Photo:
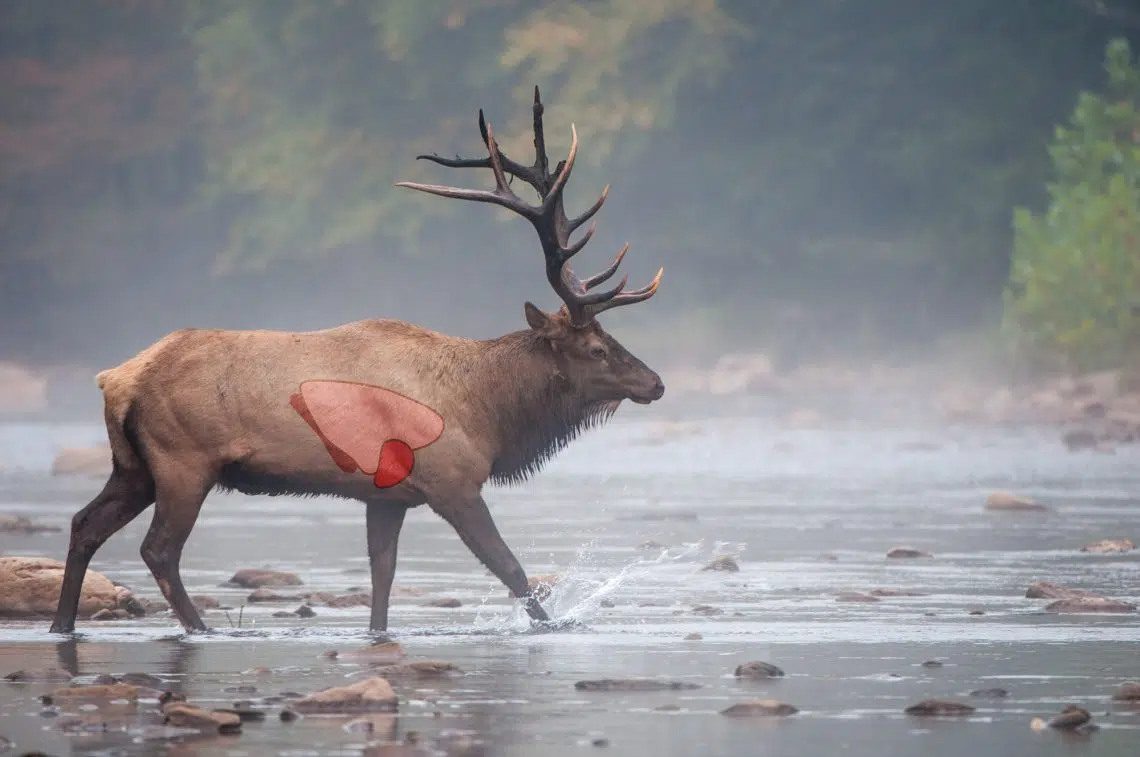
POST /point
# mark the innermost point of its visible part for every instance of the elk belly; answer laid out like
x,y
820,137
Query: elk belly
x,y
396,462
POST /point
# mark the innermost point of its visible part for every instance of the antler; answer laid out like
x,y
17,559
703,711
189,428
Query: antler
x,y
548,218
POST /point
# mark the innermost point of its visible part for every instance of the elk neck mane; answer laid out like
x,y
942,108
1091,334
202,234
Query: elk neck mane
x,y
528,407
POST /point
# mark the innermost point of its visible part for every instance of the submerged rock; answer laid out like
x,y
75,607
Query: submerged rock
x,y
376,654
760,708
256,578
896,593
1071,717
126,691
83,461
205,602
444,602
183,715
757,669
855,596
1109,546
48,675
370,695
1012,503
30,586
357,599
267,595
991,693
1049,590
1089,604
707,610
18,524
418,669
1128,692
907,552
939,708
723,563
634,684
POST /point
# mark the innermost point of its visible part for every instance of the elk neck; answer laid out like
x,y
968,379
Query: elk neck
x,y
527,409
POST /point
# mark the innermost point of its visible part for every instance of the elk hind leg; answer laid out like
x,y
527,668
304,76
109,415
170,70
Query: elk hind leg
x,y
126,494
179,495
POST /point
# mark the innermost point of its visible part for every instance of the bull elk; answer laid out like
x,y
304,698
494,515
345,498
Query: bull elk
x,y
429,418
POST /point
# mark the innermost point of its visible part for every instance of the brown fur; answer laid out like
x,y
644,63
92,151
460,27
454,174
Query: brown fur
x,y
216,405
206,408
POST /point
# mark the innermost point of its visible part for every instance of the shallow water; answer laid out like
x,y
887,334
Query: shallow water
x,y
807,514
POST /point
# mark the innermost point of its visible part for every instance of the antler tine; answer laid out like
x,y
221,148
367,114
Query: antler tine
x,y
501,195
620,298
604,275
574,223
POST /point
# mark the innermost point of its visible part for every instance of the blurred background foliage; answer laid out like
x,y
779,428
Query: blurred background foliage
x,y
816,176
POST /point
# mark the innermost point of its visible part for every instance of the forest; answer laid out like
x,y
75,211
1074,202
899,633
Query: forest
x,y
815,176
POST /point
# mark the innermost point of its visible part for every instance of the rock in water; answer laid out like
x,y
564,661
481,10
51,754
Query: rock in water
x,y
370,695
633,684
939,708
1010,502
1071,717
758,669
1128,692
30,586
1109,546
1089,604
83,461
256,578
907,552
760,708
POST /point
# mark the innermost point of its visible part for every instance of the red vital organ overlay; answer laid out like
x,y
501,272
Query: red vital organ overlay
x,y
368,428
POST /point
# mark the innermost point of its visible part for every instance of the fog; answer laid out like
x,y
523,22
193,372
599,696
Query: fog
x,y
840,185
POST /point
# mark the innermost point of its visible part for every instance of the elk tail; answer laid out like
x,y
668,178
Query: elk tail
x,y
120,415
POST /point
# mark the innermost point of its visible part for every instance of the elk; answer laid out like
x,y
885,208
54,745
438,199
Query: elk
x,y
262,412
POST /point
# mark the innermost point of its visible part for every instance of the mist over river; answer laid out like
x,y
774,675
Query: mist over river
x,y
806,514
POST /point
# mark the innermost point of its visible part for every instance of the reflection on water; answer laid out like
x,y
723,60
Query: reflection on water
x,y
807,515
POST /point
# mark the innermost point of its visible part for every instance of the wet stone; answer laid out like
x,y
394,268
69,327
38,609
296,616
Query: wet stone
x,y
1128,692
1070,717
268,595
895,593
1049,590
104,692
668,708
897,553
256,578
246,712
606,603
370,695
760,708
183,715
145,680
419,669
19,524
304,611
444,602
693,637
1089,604
855,596
205,602
384,653
939,708
1012,503
284,614
932,664
991,693
707,610
634,684
1109,546
48,675
723,563
758,669
359,599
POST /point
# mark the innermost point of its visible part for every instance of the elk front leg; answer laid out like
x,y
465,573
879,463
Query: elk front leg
x,y
472,521
384,522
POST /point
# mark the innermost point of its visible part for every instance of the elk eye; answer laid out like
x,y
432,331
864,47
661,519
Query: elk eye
x,y
597,353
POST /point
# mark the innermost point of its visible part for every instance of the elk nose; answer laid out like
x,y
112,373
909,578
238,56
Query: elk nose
x,y
658,390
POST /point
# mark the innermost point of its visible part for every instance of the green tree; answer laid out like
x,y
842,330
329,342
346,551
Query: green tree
x,y
1073,299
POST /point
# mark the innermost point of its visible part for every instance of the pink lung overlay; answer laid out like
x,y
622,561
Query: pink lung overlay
x,y
368,428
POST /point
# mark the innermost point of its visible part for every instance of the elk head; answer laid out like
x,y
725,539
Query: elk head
x,y
592,360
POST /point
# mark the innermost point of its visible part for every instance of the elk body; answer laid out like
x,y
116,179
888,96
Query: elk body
x,y
204,409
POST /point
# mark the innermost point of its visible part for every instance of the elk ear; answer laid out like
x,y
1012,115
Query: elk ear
x,y
539,321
